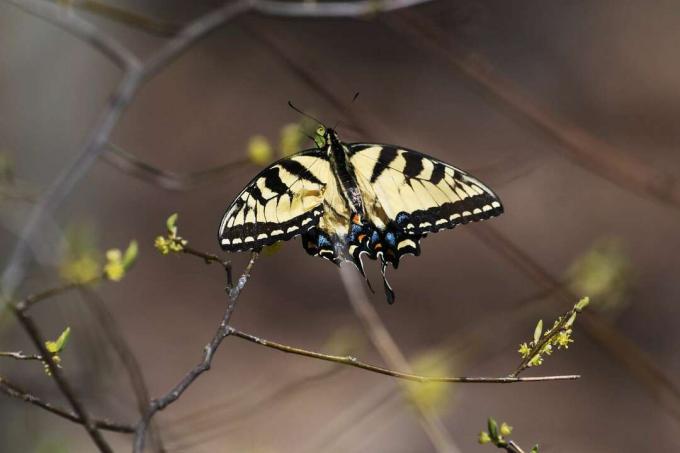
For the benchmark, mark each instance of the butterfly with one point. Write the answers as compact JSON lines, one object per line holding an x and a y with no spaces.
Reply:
{"x":347,"y":200}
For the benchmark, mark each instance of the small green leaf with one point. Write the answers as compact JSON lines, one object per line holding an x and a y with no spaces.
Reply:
{"x":55,"y":347}
{"x":581,"y":304}
{"x":484,"y":438}
{"x":130,"y":255}
{"x":170,"y":223}
{"x":506,"y":429}
{"x":493,"y":429}
{"x":570,"y":321}
{"x":538,"y":331}
{"x":535,"y":449}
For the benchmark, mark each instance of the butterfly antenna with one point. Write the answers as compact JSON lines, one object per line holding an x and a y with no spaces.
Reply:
{"x":356,"y":95}
{"x":290,"y":104}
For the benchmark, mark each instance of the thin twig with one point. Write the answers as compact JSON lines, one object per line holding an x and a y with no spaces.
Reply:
{"x":14,"y":391}
{"x":354,"y":362}
{"x":21,"y":356}
{"x":28,"y":302}
{"x":39,"y":342}
{"x":222,"y":332}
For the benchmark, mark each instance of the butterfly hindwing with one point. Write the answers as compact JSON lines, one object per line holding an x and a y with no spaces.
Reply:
{"x":283,"y":201}
{"x":416,"y":193}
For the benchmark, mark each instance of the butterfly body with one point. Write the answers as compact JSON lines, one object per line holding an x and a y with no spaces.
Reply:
{"x":351,"y":200}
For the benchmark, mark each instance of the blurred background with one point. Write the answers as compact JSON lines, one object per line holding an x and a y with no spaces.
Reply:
{"x":568,"y":110}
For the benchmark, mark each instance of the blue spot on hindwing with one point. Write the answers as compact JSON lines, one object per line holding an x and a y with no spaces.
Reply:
{"x":324,"y":241}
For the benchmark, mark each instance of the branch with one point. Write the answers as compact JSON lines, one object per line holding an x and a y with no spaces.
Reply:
{"x":132,"y":165}
{"x":222,"y":332}
{"x":382,"y":340}
{"x":135,"y":76}
{"x":39,"y":342}
{"x":629,"y":354}
{"x":15,"y":391}
{"x":354,"y":362}
{"x":28,"y":302}
{"x":21,"y":356}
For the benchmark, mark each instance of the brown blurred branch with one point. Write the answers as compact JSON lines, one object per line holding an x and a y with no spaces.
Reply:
{"x":580,"y":146}
{"x":132,"y":165}
{"x":354,"y":362}
{"x":14,"y":391}
{"x":233,"y":292}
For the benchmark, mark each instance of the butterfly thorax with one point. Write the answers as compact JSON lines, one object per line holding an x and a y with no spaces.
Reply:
{"x":338,"y":155}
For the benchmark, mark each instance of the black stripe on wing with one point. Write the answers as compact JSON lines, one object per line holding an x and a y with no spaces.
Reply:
{"x":283,"y":201}
{"x":449,"y":195}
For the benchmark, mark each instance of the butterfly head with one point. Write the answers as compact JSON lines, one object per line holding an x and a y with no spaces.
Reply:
{"x":326,"y":137}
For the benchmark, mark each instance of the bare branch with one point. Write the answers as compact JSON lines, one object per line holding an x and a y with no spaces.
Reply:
{"x":204,"y":365}
{"x":28,"y":302}
{"x":354,"y":362}
{"x":14,"y":391}
{"x":65,"y":388}
{"x":18,"y":355}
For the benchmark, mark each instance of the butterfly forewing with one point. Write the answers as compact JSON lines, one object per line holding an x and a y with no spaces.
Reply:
{"x":417,"y":192}
{"x":283,"y":201}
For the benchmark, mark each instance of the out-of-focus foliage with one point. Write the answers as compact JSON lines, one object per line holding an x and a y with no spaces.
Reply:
{"x":557,"y":337}
{"x":272,"y":249}
{"x":260,"y":151}
{"x":292,"y":139}
{"x":431,"y":395}
{"x":605,"y":273}
{"x":52,"y":445}
{"x":80,"y":257}
{"x":118,"y":263}
{"x":346,"y":340}
{"x":6,"y":169}
{"x":172,"y":242}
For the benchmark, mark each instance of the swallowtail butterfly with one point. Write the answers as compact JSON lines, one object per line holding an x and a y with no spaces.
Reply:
{"x":352,"y":199}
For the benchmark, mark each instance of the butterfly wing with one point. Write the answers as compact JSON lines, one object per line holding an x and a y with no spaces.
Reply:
{"x":417,"y":193}
{"x":283,"y":201}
